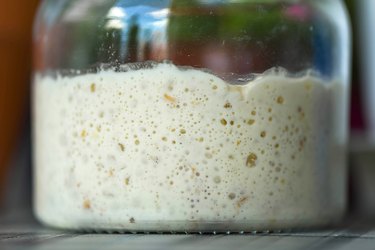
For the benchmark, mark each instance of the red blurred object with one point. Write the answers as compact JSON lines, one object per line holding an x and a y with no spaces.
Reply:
{"x":357,"y":120}
{"x":16,"y":18}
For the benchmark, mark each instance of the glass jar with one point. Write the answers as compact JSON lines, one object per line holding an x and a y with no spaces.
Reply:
{"x":194,"y":116}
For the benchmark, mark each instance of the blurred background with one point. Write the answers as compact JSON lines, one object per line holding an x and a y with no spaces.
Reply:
{"x":16,"y":18}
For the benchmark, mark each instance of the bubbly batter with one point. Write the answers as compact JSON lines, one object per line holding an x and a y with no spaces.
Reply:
{"x":170,"y":149}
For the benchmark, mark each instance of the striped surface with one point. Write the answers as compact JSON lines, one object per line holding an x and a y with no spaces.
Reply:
{"x":26,"y":234}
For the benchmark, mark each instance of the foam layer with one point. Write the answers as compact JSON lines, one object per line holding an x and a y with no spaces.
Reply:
{"x":182,"y":148}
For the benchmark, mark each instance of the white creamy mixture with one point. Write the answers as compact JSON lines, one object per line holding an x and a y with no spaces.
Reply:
{"x":171,"y":149}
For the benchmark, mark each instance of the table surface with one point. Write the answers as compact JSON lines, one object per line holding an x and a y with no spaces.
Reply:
{"x":23,"y":232}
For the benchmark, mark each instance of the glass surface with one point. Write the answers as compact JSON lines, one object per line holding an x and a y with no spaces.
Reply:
{"x":190,"y":115}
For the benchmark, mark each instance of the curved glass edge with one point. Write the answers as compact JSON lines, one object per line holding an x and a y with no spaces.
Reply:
{"x":129,"y":31}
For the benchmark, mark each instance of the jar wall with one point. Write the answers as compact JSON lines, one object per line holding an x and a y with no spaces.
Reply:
{"x":246,"y":37}
{"x":190,"y":115}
